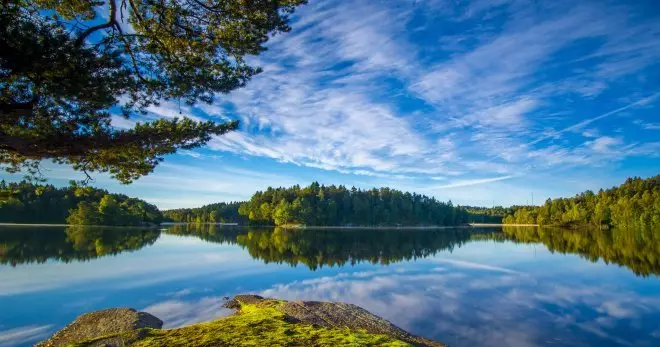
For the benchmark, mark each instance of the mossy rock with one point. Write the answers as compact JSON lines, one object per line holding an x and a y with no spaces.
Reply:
{"x":270,"y":322}
{"x":109,"y":322}
{"x":332,"y":315}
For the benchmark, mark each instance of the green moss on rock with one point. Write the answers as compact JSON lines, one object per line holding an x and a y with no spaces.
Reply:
{"x":269,"y":322}
{"x":263,"y":325}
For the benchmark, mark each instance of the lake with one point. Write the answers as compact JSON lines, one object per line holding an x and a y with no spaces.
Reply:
{"x":522,"y":286}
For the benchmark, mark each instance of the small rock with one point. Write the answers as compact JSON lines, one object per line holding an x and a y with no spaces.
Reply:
{"x":101,"y":323}
{"x":235,"y":303}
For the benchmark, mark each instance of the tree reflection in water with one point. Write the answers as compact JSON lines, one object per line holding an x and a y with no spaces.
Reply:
{"x":638,"y":250}
{"x":21,"y":245}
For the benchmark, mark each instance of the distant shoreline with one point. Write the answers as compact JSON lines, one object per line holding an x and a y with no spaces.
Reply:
{"x":312,"y":227}
{"x":318,"y":227}
{"x":502,"y":225}
{"x":75,"y":225}
{"x":430,"y":227}
{"x":33,"y":225}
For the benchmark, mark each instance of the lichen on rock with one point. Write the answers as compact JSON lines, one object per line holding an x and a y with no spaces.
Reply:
{"x":333,"y":315}
{"x":257,"y":321}
{"x":97,"y":324}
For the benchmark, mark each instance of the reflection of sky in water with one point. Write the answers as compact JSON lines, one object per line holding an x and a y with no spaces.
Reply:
{"x":483,"y":293}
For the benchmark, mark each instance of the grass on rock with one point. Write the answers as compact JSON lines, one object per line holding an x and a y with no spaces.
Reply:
{"x":260,"y":324}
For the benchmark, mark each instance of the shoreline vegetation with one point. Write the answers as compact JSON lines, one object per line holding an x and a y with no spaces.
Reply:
{"x":256,"y":321}
{"x":331,"y":206}
{"x":307,"y":227}
{"x":635,"y":203}
{"x":295,"y":226}
{"x":28,"y":203}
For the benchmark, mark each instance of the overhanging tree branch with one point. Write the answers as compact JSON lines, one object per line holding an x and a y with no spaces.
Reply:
{"x":57,"y":87}
{"x":109,"y":24}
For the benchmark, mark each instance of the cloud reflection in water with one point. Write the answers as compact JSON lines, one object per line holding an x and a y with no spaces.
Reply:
{"x":482,"y":305}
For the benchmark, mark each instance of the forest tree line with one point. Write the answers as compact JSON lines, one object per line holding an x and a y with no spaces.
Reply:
{"x":221,"y":212}
{"x":25,"y":202}
{"x":479,"y":214}
{"x":635,"y":204}
{"x":229,"y":213}
{"x":339,"y":206}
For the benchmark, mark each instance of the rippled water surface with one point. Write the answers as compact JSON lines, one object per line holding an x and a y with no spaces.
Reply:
{"x":464,"y":287}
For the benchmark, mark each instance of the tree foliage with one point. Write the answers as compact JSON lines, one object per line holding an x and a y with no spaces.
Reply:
{"x":213,"y":213}
{"x":65,"y":65}
{"x":25,"y":202}
{"x":337,"y":205}
{"x":494,"y":215}
{"x":634,"y":204}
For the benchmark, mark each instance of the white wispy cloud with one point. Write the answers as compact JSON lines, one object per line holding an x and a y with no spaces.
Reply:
{"x":417,"y":90}
{"x":474,"y":265}
{"x":604,"y":144}
{"x":465,"y":183}
{"x":340,"y":126}
{"x":646,"y":125}
{"x":121,"y":122}
{"x":480,"y":307}
{"x":581,"y":125}
{"x":331,"y":93}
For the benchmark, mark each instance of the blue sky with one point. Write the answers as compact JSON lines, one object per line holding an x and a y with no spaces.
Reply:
{"x":479,"y":102}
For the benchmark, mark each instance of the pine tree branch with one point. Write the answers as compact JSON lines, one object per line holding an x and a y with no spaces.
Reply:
{"x":109,"y":24}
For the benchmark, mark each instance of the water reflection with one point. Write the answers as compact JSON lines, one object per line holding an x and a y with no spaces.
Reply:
{"x":20,"y":245}
{"x":636,"y":249}
{"x":466,"y":287}
{"x":486,"y":307}
{"x":318,"y":248}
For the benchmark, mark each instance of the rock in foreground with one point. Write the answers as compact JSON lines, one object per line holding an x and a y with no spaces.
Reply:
{"x":334,"y":315}
{"x":103,"y":323}
{"x":256,"y":322}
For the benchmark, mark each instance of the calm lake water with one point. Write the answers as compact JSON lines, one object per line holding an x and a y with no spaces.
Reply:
{"x":464,"y":287}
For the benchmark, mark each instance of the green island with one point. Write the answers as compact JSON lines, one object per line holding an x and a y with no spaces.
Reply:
{"x":320,"y":205}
